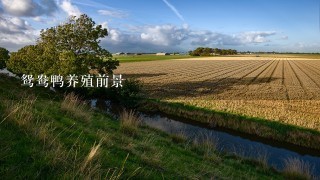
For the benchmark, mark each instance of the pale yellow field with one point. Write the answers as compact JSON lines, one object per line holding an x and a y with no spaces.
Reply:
{"x":278,"y":89}
{"x":243,"y":58}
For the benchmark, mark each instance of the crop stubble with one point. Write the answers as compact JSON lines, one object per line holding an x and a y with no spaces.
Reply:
{"x":279,"y":89}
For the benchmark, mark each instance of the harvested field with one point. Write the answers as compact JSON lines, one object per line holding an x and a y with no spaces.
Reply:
{"x":279,"y":89}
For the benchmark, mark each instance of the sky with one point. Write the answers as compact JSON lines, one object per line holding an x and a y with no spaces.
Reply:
{"x":173,"y":25}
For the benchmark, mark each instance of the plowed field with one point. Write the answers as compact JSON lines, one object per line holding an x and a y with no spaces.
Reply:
{"x":280,"y":89}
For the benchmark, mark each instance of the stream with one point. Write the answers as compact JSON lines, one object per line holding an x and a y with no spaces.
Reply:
{"x":227,"y":141}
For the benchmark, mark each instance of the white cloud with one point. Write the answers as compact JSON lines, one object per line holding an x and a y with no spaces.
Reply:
{"x":13,"y":25}
{"x":255,"y":36}
{"x":301,"y":47}
{"x":244,"y":38}
{"x":165,"y":35}
{"x":16,"y":33}
{"x":174,"y":9}
{"x":18,"y":7}
{"x":115,"y":35}
{"x":69,"y":8}
{"x":92,"y":3}
{"x":29,"y":8}
{"x":38,"y":19}
{"x":145,"y":38}
{"x":113,"y":13}
{"x":104,"y":25}
{"x":170,"y":38}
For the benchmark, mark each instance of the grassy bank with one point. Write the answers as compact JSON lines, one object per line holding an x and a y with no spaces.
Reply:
{"x":47,"y":135}
{"x":254,"y":126}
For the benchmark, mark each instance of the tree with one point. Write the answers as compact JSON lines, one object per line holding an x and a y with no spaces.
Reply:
{"x":28,"y":60}
{"x":201,"y":51}
{"x":207,"y":52}
{"x":69,"y":48}
{"x":217,"y":51}
{"x":197,"y":52}
{"x":4,"y":56}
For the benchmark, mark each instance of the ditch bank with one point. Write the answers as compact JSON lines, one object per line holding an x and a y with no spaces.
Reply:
{"x":267,"y":130}
{"x":273,"y":153}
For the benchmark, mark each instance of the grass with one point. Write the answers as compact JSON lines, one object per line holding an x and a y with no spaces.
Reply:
{"x":20,"y":111}
{"x":40,"y":139}
{"x":179,"y":137}
{"x":262,"y":158}
{"x":206,"y":145}
{"x":149,"y":57}
{"x":76,"y":108}
{"x":254,"y":126}
{"x":139,"y":58}
{"x":129,"y":122}
{"x":297,"y":169}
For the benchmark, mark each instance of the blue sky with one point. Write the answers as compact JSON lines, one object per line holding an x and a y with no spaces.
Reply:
{"x":173,"y":25}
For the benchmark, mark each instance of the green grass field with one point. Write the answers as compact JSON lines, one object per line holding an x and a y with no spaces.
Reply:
{"x":45,"y":136}
{"x":139,"y":58}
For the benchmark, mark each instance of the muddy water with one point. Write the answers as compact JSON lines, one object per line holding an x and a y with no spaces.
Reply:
{"x":227,"y":141}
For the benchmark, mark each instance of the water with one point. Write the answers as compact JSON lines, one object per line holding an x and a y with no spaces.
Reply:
{"x":227,"y":141}
{"x":8,"y":73}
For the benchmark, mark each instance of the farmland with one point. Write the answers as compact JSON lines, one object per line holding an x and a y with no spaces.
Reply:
{"x":274,"y":88}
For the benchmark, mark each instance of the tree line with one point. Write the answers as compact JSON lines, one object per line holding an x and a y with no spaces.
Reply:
{"x":206,"y":51}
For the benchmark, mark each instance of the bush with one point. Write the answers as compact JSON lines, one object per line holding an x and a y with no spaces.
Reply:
{"x":127,"y":95}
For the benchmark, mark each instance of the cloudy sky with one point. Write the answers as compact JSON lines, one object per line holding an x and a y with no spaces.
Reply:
{"x":173,"y":25}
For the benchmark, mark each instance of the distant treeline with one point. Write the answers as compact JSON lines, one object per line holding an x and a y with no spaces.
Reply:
{"x":206,"y":51}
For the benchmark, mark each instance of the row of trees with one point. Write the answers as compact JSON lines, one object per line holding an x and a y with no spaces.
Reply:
{"x":69,"y":48}
{"x":206,"y":51}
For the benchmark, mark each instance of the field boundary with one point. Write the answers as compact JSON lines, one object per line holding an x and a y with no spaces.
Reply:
{"x":254,"y":126}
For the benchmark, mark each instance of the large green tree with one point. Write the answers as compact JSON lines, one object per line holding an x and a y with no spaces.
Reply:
{"x":70,"y":48}
{"x":4,"y":56}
